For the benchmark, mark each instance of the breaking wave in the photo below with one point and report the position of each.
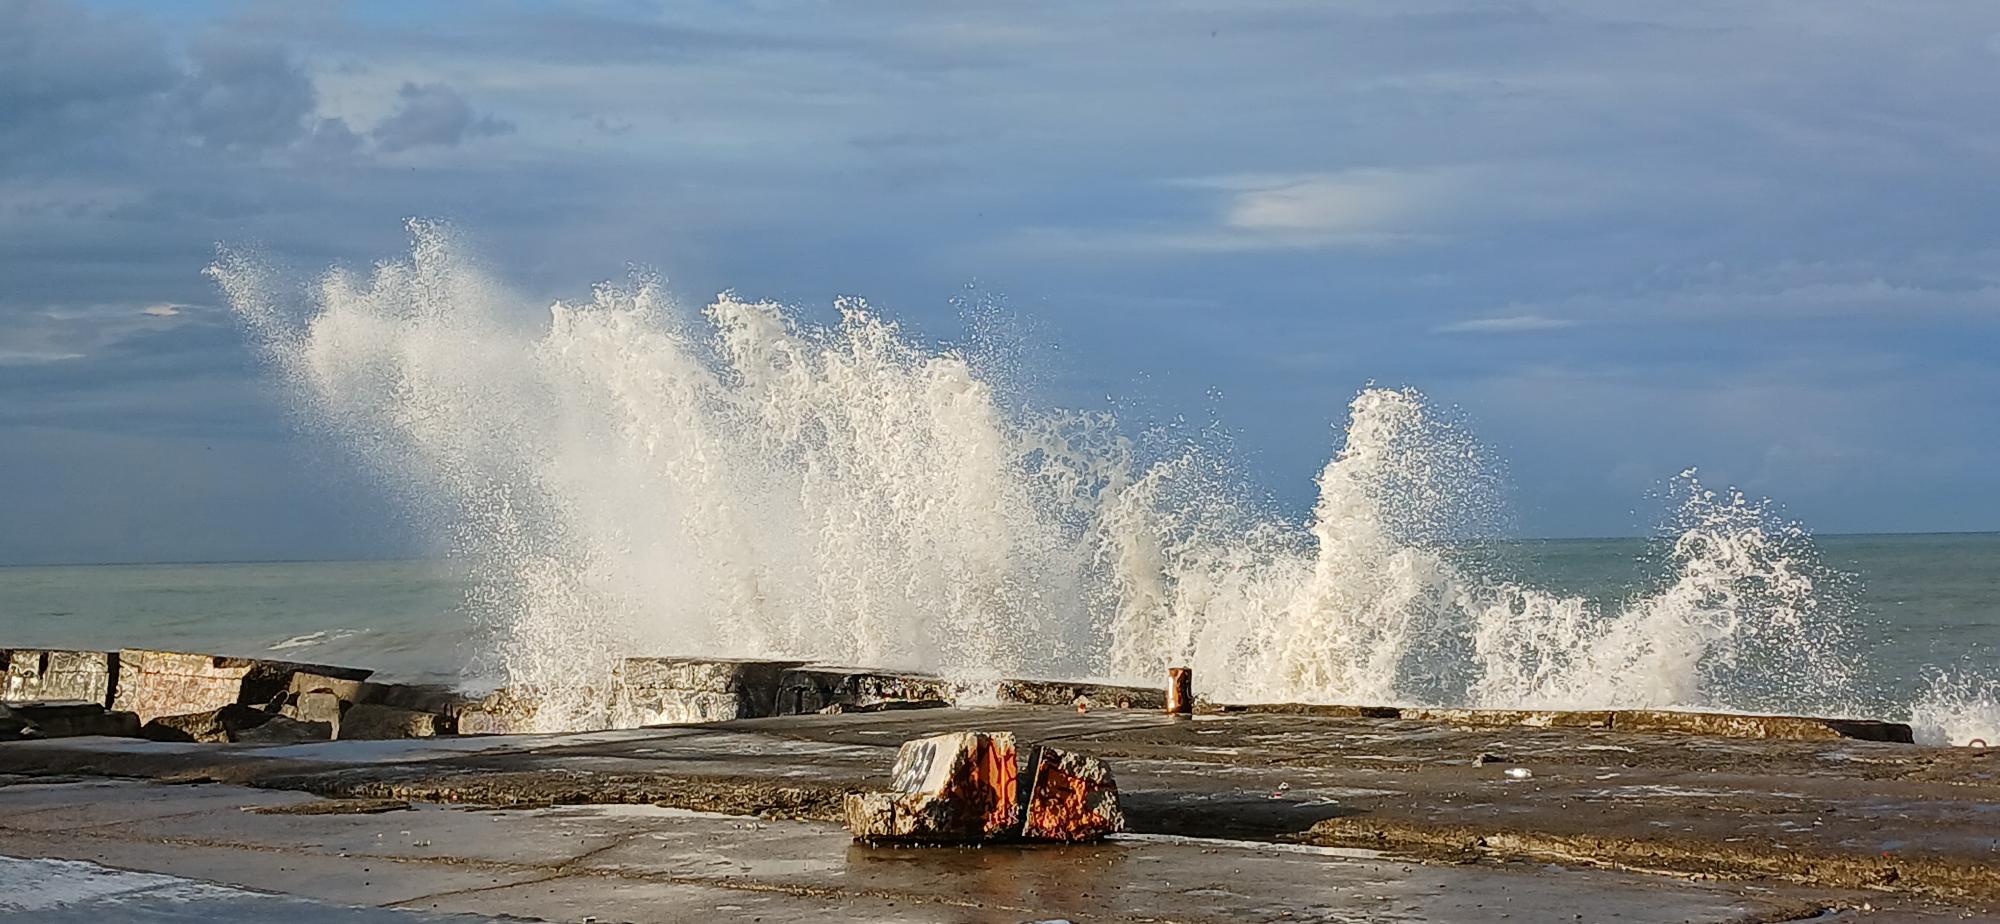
(627, 476)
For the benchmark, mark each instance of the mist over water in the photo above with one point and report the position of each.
(626, 476)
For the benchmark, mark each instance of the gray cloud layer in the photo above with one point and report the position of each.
(1627, 236)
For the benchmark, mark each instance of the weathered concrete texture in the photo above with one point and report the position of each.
(1071, 798)
(962, 787)
(674, 691)
(36, 675)
(1837, 813)
(77, 892)
(281, 730)
(317, 706)
(817, 687)
(642, 864)
(1088, 695)
(502, 712)
(1715, 724)
(1785, 727)
(215, 726)
(436, 699)
(161, 683)
(377, 722)
(63, 720)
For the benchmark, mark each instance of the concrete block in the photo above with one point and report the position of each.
(320, 707)
(65, 720)
(1090, 695)
(1072, 798)
(376, 722)
(1784, 727)
(162, 683)
(1324, 710)
(962, 787)
(502, 712)
(819, 687)
(681, 691)
(38, 675)
(281, 730)
(1502, 718)
(422, 697)
(214, 726)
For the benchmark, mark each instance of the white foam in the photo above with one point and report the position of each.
(630, 477)
(1957, 710)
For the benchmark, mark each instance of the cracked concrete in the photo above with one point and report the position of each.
(1887, 822)
(642, 863)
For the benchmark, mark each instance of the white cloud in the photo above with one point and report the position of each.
(1510, 324)
(1785, 291)
(1365, 201)
(163, 310)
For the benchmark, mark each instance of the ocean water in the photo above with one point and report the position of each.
(621, 473)
(1923, 607)
(407, 620)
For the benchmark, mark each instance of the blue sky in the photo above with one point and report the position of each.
(1624, 237)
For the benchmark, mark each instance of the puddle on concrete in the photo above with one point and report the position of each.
(1347, 853)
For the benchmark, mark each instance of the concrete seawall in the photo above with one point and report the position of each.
(1822, 804)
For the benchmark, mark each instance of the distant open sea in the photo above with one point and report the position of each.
(1924, 603)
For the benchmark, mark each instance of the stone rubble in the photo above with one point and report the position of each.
(1071, 798)
(962, 787)
(220, 725)
(819, 688)
(35, 675)
(1084, 696)
(377, 722)
(967, 787)
(161, 683)
(57, 719)
(645, 691)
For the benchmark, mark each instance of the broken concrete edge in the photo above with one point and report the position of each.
(443, 784)
(823, 800)
(156, 683)
(59, 719)
(1933, 877)
(1711, 724)
(29, 675)
(687, 690)
(973, 787)
(1071, 798)
(1030, 692)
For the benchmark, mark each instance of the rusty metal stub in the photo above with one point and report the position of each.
(1180, 690)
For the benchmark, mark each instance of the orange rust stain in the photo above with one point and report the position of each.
(1060, 807)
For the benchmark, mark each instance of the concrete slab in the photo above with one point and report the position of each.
(638, 863)
(1839, 814)
(84, 806)
(73, 892)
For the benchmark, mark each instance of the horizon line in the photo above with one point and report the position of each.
(446, 558)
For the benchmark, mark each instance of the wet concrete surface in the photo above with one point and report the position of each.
(643, 863)
(1896, 819)
(76, 892)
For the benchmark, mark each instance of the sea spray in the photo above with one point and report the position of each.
(1956, 708)
(628, 477)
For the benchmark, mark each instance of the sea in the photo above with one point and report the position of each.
(1924, 610)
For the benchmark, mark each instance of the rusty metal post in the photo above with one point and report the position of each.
(1180, 690)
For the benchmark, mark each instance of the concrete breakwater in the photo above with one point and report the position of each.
(1842, 807)
(201, 697)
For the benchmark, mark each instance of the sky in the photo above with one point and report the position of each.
(1620, 237)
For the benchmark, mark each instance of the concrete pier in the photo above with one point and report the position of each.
(648, 864)
(1732, 829)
